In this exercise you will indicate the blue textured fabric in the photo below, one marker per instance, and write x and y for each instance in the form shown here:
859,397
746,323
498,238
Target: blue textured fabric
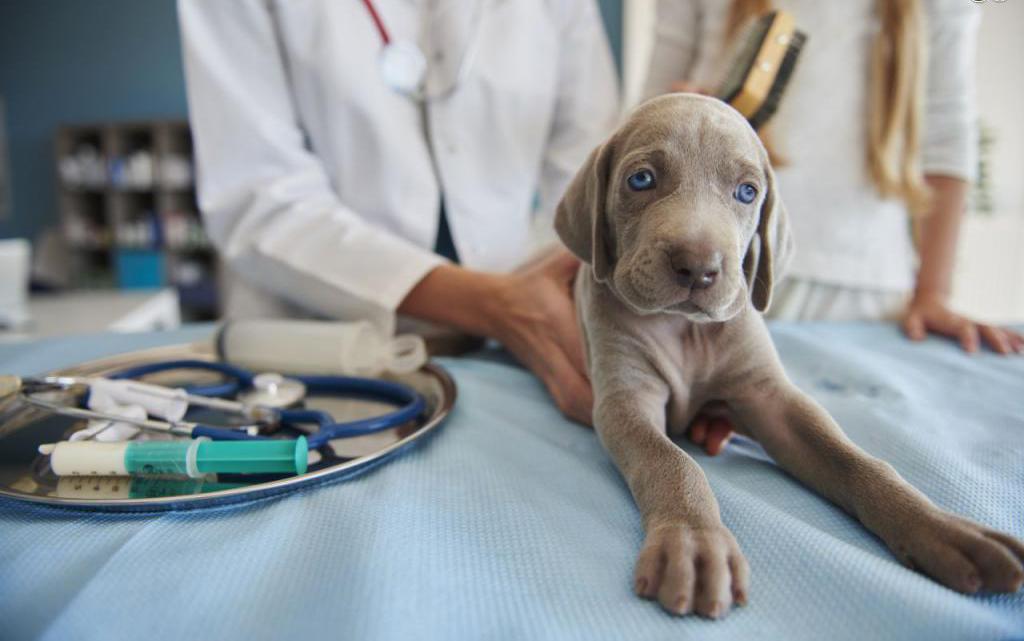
512,524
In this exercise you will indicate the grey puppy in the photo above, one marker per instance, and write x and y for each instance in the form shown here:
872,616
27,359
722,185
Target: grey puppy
682,232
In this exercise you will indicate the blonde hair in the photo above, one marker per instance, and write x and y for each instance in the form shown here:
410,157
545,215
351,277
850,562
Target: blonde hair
895,96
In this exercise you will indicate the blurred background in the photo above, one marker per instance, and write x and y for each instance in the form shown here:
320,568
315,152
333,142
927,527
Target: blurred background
989,280
96,173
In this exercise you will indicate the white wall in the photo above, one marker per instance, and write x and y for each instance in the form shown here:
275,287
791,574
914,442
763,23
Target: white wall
1000,92
989,282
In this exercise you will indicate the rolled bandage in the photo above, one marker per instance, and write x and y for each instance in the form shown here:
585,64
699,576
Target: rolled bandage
167,403
319,347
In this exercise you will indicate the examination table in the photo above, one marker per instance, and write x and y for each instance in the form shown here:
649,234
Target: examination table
511,522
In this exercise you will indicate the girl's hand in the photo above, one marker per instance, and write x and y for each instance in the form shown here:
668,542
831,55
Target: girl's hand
712,432
929,313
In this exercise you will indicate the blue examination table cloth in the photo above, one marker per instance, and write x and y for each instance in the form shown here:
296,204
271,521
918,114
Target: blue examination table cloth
511,523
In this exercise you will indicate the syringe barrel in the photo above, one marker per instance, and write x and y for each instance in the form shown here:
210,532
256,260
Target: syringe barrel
189,457
163,458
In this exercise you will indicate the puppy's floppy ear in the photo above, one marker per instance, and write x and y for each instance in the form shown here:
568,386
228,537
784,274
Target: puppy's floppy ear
580,218
770,248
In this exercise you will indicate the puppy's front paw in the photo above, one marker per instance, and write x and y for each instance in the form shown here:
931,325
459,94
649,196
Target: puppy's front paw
963,555
689,569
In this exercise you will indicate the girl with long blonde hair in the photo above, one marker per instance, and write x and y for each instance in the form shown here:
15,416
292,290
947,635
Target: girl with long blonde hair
875,145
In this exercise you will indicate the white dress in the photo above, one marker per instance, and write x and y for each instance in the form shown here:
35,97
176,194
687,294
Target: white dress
854,257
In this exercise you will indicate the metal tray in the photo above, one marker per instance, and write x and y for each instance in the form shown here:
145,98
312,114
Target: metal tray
25,476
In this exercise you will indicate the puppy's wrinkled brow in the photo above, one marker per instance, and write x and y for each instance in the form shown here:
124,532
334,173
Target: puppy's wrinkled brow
741,167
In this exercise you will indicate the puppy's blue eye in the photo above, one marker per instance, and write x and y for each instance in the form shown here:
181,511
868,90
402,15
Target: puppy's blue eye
641,180
746,193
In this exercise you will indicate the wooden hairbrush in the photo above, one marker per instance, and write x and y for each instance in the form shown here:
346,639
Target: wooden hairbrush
763,66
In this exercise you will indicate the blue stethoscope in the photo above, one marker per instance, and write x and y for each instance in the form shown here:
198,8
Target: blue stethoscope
271,400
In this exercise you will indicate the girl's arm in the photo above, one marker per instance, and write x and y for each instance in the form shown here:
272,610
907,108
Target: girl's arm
949,158
929,311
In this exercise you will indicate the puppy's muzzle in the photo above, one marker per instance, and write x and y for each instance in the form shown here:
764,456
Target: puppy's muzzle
695,271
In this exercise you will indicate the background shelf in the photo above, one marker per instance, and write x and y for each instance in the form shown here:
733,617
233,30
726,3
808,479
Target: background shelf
128,211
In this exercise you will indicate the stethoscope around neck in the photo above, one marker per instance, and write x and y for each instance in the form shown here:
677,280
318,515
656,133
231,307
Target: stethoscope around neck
404,67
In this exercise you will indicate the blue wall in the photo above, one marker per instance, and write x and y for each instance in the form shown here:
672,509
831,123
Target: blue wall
72,61
69,61
611,11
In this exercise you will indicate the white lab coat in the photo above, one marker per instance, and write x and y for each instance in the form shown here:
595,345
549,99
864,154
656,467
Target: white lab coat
315,179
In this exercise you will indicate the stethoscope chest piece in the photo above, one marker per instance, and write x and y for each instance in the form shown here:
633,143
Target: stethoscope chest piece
403,67
273,390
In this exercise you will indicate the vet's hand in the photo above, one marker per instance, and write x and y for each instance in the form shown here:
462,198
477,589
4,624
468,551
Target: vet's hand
712,430
929,313
533,315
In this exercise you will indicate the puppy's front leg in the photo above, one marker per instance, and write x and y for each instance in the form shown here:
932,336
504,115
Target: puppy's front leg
802,437
689,561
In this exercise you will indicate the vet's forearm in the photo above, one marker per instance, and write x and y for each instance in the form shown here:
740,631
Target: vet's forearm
453,296
937,235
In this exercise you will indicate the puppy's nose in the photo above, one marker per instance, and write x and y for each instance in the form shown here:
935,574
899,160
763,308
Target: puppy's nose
700,280
696,274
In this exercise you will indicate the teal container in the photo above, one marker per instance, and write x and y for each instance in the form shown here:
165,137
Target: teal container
140,269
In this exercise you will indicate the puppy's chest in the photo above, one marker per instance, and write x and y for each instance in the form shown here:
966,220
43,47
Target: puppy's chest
694,368
707,366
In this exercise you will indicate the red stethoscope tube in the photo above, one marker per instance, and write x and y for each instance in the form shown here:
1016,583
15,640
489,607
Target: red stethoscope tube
384,36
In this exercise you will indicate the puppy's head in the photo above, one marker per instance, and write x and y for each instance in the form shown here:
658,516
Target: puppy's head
678,211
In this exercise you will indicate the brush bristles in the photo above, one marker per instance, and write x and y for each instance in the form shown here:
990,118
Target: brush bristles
786,68
745,58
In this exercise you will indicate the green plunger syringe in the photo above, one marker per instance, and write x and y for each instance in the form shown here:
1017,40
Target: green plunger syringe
190,457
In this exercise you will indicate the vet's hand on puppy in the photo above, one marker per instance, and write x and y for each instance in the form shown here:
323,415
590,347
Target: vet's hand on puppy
535,318
531,312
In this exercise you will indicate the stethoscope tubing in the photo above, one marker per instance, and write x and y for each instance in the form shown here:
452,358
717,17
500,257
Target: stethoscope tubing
411,403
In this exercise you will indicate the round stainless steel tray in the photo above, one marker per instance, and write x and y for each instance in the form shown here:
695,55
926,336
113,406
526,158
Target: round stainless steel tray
25,476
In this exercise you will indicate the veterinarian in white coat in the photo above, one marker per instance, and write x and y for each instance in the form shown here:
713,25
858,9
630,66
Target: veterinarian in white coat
326,190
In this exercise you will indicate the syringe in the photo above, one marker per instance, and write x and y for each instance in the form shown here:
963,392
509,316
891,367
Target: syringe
188,457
